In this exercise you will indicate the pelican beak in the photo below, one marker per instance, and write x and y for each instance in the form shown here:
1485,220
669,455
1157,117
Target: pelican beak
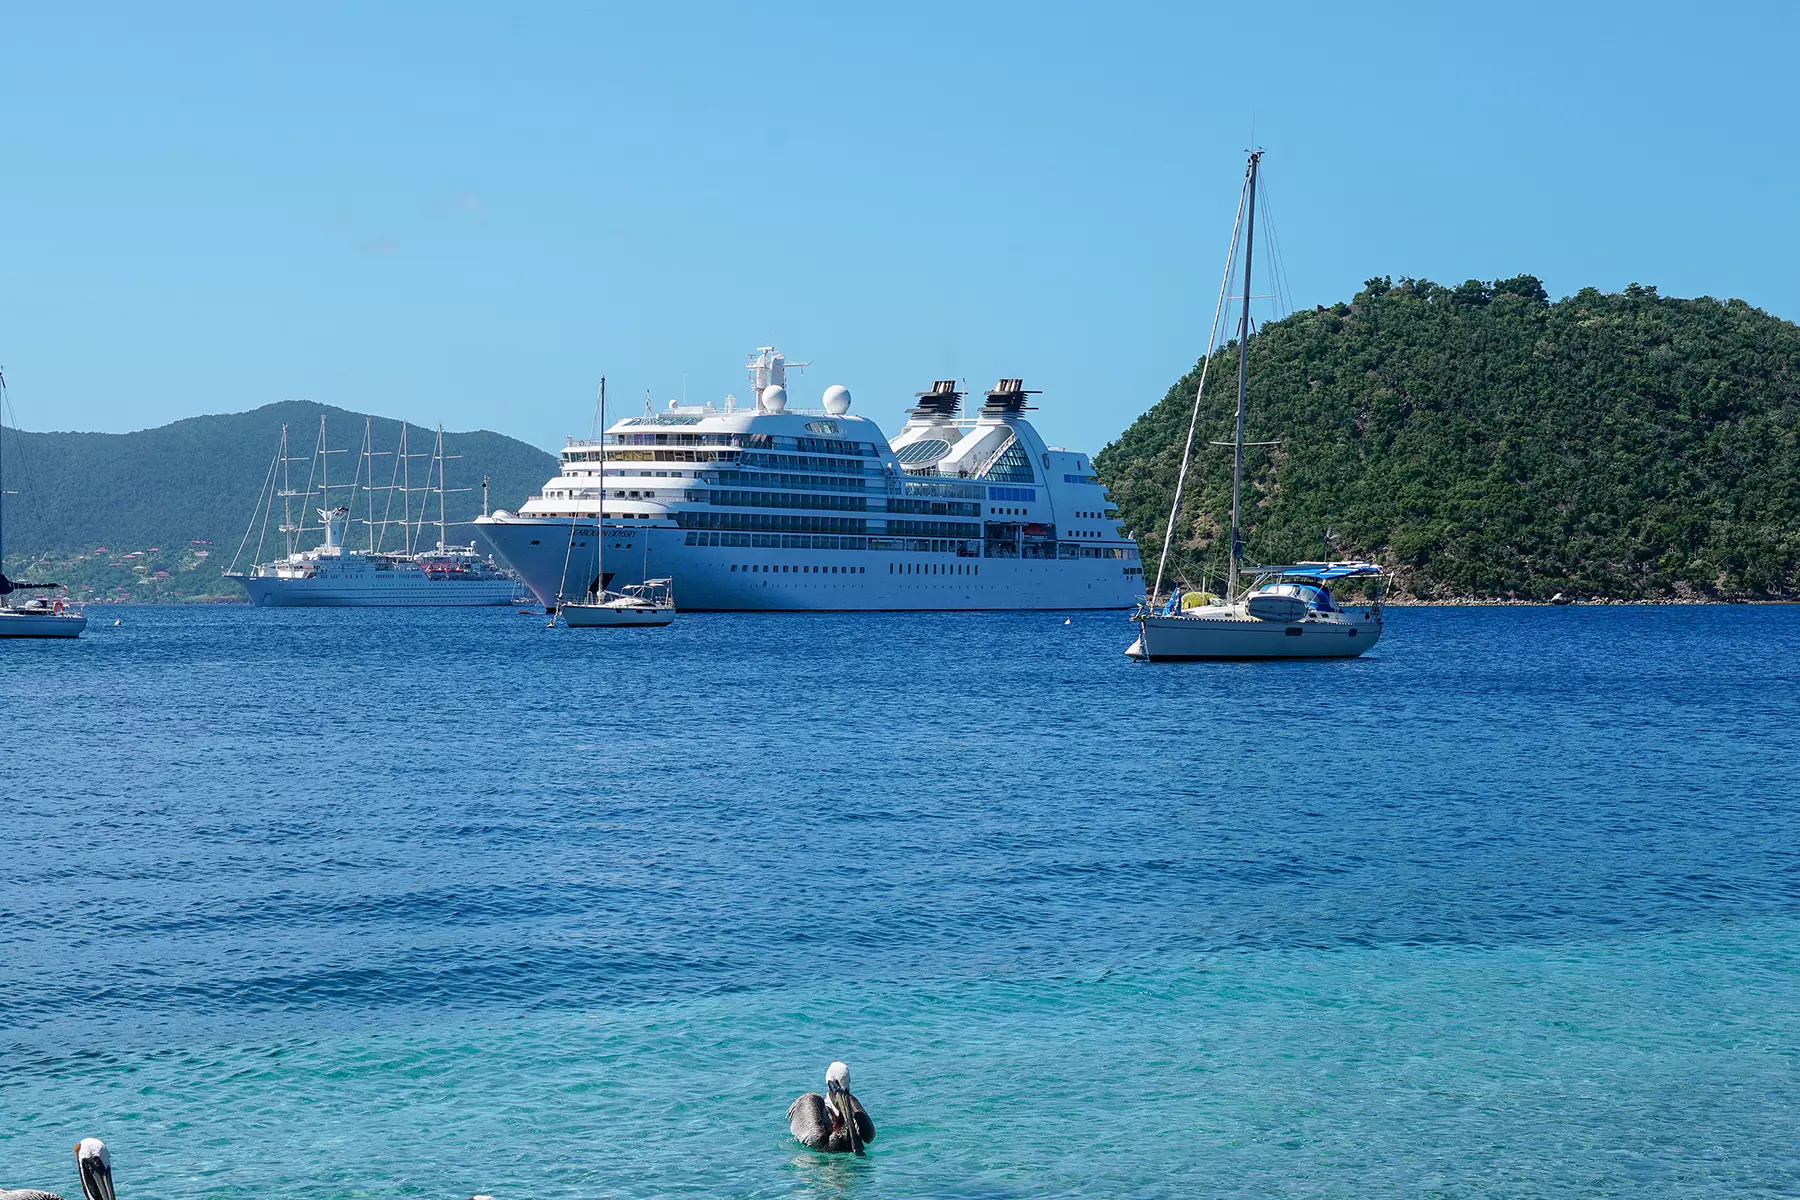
840,1101
96,1177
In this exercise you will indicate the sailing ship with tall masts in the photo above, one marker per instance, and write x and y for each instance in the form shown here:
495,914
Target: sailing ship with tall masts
38,616
332,574
1282,611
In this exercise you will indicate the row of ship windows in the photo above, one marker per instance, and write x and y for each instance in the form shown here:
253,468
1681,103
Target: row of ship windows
802,541
893,569
747,458
820,483
961,547
704,456
739,499
799,462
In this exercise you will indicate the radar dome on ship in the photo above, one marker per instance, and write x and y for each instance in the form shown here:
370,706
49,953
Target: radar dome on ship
837,399
774,398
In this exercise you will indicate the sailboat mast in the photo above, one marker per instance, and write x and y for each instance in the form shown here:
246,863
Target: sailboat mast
443,530
324,477
406,530
600,515
369,469
4,587
287,495
1237,445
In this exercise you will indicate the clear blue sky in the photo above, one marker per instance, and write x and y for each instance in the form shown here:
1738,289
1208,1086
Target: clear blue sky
468,213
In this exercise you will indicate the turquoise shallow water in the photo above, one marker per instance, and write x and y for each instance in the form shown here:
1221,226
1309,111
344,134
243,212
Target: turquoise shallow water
371,904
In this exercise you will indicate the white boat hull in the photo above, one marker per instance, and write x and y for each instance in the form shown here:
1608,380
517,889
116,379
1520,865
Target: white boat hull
1236,636
407,590
615,616
793,579
40,625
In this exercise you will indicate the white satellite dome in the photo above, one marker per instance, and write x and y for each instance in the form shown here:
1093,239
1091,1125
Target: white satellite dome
774,398
837,399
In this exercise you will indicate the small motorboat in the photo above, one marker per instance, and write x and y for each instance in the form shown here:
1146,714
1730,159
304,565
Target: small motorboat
639,605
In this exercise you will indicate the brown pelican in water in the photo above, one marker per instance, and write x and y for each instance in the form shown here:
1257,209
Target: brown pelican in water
94,1166
834,1122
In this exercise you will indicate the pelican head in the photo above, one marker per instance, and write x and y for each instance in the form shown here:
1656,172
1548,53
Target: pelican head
837,1078
95,1166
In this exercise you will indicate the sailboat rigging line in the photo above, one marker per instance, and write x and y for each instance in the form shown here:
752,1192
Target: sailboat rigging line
387,509
387,506
599,520
1243,383
264,496
1212,341
21,461
312,472
1283,287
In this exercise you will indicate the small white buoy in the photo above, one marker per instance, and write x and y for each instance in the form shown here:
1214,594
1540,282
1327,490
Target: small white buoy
1068,621
117,622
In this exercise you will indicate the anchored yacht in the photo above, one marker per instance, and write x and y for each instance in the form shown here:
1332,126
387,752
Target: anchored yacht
767,507
1285,611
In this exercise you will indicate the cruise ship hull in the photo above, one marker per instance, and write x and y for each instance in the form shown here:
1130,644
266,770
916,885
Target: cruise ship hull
413,592
795,579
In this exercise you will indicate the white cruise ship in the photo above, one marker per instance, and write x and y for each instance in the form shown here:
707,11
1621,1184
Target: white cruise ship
766,507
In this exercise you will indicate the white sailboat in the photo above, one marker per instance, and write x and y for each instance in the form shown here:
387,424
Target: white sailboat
635,606
1283,611
37,617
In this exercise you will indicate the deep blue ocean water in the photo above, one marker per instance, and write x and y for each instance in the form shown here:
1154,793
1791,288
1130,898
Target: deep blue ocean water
368,904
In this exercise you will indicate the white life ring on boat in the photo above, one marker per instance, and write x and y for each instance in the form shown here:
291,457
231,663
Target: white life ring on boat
57,608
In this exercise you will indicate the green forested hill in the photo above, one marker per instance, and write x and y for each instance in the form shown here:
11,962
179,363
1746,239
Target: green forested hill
1486,442
171,505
